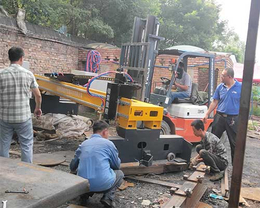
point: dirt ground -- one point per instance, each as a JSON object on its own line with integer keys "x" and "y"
{"x": 133, "y": 197}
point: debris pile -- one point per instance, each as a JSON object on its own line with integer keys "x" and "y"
{"x": 56, "y": 126}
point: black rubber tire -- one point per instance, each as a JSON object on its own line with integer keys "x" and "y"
{"x": 170, "y": 156}
{"x": 165, "y": 128}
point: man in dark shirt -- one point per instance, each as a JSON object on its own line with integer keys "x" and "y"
{"x": 96, "y": 159}
{"x": 211, "y": 151}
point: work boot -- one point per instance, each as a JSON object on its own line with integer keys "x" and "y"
{"x": 216, "y": 176}
{"x": 107, "y": 202}
{"x": 84, "y": 198}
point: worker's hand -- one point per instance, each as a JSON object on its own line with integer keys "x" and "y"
{"x": 205, "y": 118}
{"x": 37, "y": 112}
{"x": 199, "y": 160}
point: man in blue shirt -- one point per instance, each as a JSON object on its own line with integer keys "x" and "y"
{"x": 227, "y": 100}
{"x": 97, "y": 160}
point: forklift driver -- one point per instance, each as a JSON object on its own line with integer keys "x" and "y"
{"x": 182, "y": 84}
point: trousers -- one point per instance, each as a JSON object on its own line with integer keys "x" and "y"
{"x": 24, "y": 132}
{"x": 228, "y": 124}
{"x": 110, "y": 193}
{"x": 216, "y": 163}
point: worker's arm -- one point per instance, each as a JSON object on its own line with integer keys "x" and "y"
{"x": 212, "y": 106}
{"x": 183, "y": 87}
{"x": 75, "y": 161}
{"x": 114, "y": 159}
{"x": 38, "y": 100}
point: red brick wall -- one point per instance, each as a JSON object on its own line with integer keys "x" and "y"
{"x": 50, "y": 56}
{"x": 43, "y": 56}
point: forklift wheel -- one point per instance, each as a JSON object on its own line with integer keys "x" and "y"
{"x": 170, "y": 156}
{"x": 165, "y": 128}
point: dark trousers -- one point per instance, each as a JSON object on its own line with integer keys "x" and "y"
{"x": 228, "y": 124}
{"x": 216, "y": 163}
{"x": 110, "y": 193}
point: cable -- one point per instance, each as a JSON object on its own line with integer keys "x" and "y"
{"x": 100, "y": 75}
{"x": 93, "y": 61}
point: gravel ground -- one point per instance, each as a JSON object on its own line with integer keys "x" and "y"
{"x": 134, "y": 196}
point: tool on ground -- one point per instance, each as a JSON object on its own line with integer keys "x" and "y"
{"x": 24, "y": 191}
{"x": 4, "y": 203}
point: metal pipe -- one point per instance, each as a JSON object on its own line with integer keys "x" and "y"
{"x": 244, "y": 104}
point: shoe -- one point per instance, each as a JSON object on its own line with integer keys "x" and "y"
{"x": 216, "y": 176}
{"x": 84, "y": 199}
{"x": 107, "y": 202}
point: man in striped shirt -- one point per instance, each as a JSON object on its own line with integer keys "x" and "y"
{"x": 16, "y": 85}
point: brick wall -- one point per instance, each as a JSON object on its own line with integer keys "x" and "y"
{"x": 43, "y": 55}
{"x": 48, "y": 51}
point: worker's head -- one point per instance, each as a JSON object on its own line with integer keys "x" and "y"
{"x": 198, "y": 128}
{"x": 16, "y": 55}
{"x": 227, "y": 75}
{"x": 101, "y": 127}
{"x": 180, "y": 70}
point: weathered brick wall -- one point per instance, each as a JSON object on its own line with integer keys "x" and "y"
{"x": 43, "y": 55}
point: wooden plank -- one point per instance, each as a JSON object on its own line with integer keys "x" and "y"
{"x": 15, "y": 153}
{"x": 194, "y": 177}
{"x": 251, "y": 193}
{"x": 201, "y": 168}
{"x": 226, "y": 182}
{"x": 203, "y": 205}
{"x": 75, "y": 206}
{"x": 187, "y": 185}
{"x": 158, "y": 167}
{"x": 187, "y": 202}
{"x": 196, "y": 196}
{"x": 225, "y": 185}
{"x": 154, "y": 181}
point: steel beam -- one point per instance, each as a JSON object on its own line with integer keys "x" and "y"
{"x": 244, "y": 103}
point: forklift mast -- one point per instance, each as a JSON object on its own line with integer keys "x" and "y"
{"x": 138, "y": 57}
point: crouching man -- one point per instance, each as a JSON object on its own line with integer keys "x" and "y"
{"x": 97, "y": 160}
{"x": 211, "y": 151}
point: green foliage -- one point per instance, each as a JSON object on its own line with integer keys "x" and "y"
{"x": 256, "y": 93}
{"x": 256, "y": 111}
{"x": 187, "y": 22}
{"x": 190, "y": 22}
{"x": 230, "y": 42}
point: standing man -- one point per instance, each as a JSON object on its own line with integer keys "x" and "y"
{"x": 227, "y": 100}
{"x": 97, "y": 160}
{"x": 16, "y": 84}
{"x": 182, "y": 84}
{"x": 210, "y": 151}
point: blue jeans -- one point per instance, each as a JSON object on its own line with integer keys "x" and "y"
{"x": 24, "y": 132}
{"x": 181, "y": 95}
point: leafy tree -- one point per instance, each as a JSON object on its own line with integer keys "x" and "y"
{"x": 190, "y": 22}
{"x": 230, "y": 42}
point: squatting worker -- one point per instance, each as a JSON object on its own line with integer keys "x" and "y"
{"x": 211, "y": 151}
{"x": 227, "y": 100}
{"x": 97, "y": 160}
{"x": 16, "y": 85}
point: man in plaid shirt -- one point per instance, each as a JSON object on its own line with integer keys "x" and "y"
{"x": 16, "y": 85}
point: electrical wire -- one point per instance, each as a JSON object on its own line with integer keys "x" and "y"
{"x": 100, "y": 75}
{"x": 93, "y": 61}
